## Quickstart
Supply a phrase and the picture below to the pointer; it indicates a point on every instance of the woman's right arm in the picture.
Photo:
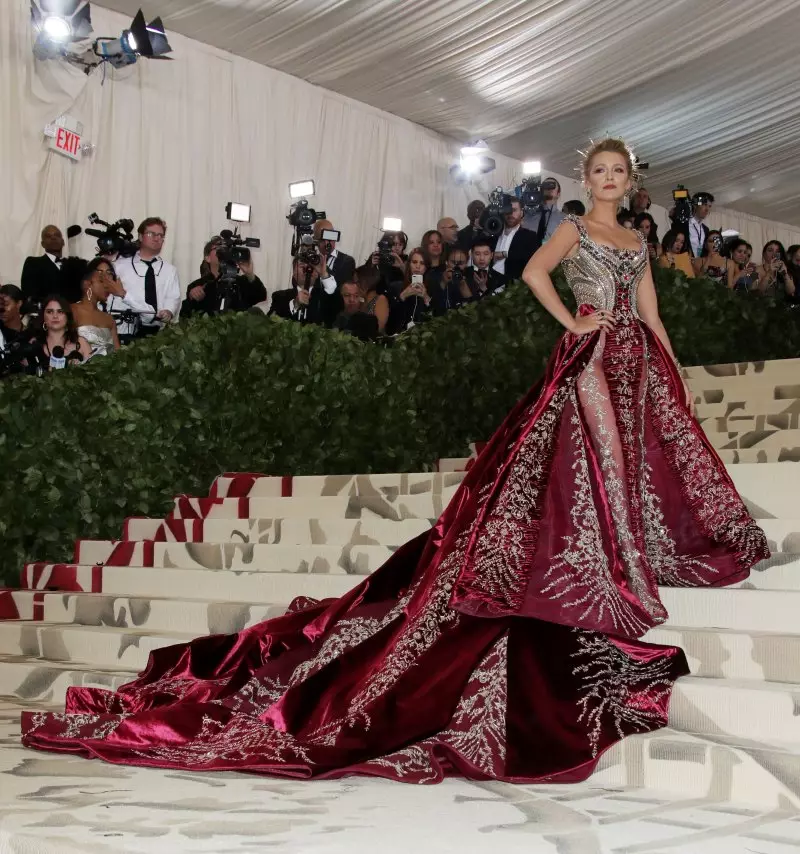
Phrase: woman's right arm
(537, 277)
(733, 272)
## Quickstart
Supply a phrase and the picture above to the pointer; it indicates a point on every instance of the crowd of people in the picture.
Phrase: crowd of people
(68, 311)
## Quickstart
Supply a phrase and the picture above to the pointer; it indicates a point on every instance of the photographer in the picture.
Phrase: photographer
(546, 219)
(150, 285)
(452, 290)
(468, 234)
(338, 264)
(311, 298)
(208, 295)
(389, 258)
(481, 278)
(413, 301)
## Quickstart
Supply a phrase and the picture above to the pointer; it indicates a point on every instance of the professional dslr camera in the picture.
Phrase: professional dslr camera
(117, 237)
(302, 218)
(492, 221)
(386, 250)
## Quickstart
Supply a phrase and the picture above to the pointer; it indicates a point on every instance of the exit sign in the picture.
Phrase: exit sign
(64, 136)
(67, 142)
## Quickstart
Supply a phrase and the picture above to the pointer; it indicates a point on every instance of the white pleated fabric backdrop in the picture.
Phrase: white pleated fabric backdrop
(180, 139)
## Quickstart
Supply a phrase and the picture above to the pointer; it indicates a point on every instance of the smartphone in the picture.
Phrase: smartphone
(331, 234)
(417, 279)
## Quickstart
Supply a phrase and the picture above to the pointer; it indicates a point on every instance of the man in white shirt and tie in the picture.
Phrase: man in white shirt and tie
(151, 286)
(41, 275)
(698, 230)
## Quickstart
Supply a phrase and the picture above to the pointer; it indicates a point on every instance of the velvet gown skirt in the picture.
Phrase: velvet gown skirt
(503, 644)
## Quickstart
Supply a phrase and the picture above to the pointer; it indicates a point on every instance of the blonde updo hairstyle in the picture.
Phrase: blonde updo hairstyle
(617, 146)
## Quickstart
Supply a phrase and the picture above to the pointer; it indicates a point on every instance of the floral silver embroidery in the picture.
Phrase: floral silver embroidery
(618, 689)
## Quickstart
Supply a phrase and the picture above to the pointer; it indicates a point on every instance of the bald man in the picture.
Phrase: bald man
(339, 265)
(448, 228)
(41, 274)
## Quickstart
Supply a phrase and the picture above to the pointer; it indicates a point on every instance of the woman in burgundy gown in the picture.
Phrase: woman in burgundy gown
(504, 643)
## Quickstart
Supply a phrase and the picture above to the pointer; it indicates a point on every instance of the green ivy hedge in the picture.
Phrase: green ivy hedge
(121, 436)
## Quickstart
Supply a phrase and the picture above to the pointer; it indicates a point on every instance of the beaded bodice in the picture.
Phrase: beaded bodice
(602, 276)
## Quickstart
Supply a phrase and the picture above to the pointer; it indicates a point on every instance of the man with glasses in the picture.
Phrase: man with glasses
(151, 288)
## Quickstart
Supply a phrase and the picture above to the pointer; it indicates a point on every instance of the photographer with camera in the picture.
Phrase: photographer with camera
(150, 285)
(212, 293)
(481, 278)
(452, 289)
(516, 245)
(41, 274)
(547, 217)
(468, 234)
(389, 257)
(339, 265)
(311, 298)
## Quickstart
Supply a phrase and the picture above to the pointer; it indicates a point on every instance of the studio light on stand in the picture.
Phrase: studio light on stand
(473, 162)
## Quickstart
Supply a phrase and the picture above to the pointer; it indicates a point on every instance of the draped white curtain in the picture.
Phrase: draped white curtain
(180, 139)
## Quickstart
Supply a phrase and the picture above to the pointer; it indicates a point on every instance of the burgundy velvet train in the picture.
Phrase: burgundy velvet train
(504, 643)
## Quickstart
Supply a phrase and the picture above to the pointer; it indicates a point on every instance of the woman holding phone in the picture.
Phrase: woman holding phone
(412, 303)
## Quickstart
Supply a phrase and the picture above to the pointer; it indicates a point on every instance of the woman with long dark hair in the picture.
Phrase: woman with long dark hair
(58, 335)
(742, 274)
(774, 276)
(645, 223)
(412, 302)
(675, 252)
(435, 252)
(712, 264)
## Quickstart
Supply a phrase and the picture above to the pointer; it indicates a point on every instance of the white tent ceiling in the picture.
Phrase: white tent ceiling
(707, 91)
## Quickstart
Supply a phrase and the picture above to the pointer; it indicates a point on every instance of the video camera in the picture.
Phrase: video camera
(234, 250)
(682, 211)
(302, 218)
(492, 221)
(117, 238)
(19, 357)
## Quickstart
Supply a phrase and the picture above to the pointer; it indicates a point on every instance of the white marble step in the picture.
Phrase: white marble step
(735, 608)
(194, 617)
(98, 646)
(741, 708)
(347, 558)
(301, 531)
(34, 680)
(734, 654)
(714, 768)
(423, 506)
(712, 652)
(212, 584)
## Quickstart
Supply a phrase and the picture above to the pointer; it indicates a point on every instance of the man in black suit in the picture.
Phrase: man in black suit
(481, 277)
(41, 274)
(310, 298)
(515, 245)
(467, 234)
(207, 295)
(340, 265)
